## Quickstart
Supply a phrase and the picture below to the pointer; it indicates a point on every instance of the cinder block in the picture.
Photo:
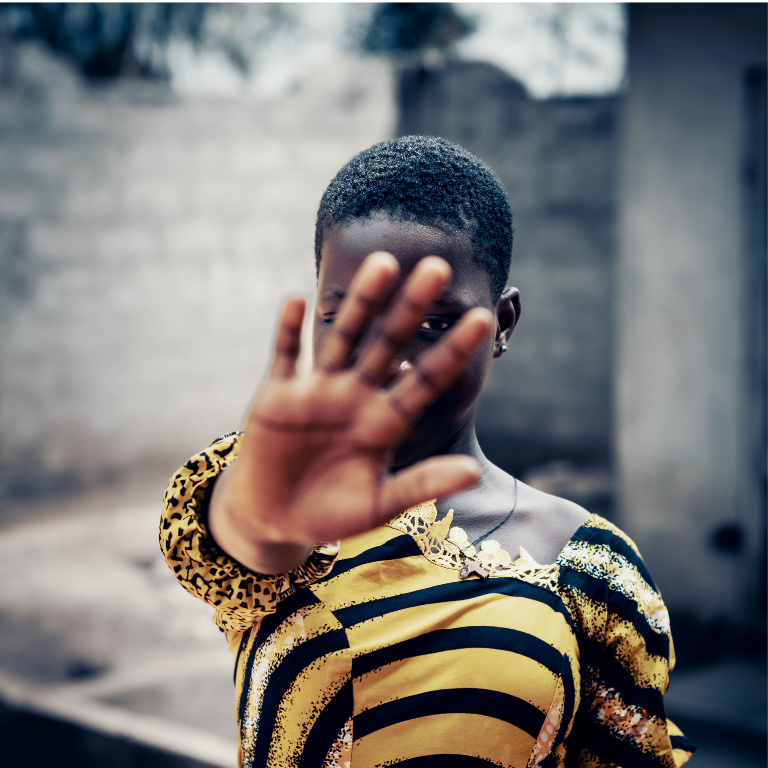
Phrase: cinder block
(19, 201)
(62, 243)
(155, 196)
(91, 198)
(128, 243)
(187, 240)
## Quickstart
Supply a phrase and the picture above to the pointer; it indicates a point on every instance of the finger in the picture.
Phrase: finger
(368, 289)
(288, 342)
(426, 282)
(429, 479)
(440, 367)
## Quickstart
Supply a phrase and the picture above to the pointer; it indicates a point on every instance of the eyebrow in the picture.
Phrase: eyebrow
(334, 293)
(447, 298)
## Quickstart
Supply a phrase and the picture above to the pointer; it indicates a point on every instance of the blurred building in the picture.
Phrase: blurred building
(690, 341)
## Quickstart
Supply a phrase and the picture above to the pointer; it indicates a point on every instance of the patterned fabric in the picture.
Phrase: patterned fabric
(240, 596)
(376, 653)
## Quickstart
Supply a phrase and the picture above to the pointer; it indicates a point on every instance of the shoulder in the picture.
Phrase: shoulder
(546, 523)
(601, 565)
(600, 545)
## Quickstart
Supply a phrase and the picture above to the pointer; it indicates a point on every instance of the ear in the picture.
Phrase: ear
(507, 316)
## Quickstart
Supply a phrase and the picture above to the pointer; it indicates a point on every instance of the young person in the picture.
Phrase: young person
(390, 596)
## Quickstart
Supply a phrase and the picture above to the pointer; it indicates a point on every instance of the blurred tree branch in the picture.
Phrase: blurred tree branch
(414, 30)
(111, 40)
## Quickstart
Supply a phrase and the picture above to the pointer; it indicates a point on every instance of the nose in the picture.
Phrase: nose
(397, 368)
(401, 363)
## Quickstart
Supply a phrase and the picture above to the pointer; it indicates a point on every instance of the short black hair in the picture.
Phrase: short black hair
(431, 181)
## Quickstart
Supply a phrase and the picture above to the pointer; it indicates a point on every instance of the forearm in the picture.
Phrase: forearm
(232, 531)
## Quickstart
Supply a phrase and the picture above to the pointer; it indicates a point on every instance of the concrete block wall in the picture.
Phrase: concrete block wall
(146, 243)
(550, 396)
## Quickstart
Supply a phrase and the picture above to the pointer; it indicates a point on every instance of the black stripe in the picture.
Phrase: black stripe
(569, 696)
(617, 545)
(285, 608)
(594, 654)
(445, 593)
(438, 640)
(326, 728)
(400, 546)
(281, 679)
(620, 605)
(614, 675)
(301, 598)
(240, 647)
(680, 742)
(474, 701)
(612, 672)
(445, 761)
(612, 749)
(247, 681)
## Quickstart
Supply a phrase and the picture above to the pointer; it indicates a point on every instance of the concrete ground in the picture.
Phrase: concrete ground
(94, 626)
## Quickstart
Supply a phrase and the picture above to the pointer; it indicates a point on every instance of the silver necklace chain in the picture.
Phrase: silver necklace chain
(497, 526)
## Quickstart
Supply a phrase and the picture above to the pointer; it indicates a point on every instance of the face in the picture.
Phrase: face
(344, 248)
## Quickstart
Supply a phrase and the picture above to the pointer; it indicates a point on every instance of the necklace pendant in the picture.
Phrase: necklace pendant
(470, 568)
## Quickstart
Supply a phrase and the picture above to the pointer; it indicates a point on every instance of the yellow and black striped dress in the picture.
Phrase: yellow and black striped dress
(375, 653)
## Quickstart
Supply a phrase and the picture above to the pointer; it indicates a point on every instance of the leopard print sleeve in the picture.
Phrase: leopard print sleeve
(240, 596)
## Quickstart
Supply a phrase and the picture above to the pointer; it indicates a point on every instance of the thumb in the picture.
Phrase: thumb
(429, 479)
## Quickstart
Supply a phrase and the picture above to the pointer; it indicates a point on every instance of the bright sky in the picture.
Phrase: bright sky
(554, 49)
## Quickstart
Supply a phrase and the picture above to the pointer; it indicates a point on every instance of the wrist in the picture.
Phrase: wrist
(251, 544)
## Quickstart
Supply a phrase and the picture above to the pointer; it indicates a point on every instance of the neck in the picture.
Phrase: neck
(465, 442)
(491, 495)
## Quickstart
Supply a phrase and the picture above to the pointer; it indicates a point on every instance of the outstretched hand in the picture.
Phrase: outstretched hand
(313, 460)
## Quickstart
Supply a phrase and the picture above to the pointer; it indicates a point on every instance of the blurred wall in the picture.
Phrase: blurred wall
(146, 243)
(690, 351)
(550, 396)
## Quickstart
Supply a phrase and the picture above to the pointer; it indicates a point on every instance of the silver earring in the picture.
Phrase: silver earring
(503, 349)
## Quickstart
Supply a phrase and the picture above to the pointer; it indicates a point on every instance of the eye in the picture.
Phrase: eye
(329, 317)
(436, 324)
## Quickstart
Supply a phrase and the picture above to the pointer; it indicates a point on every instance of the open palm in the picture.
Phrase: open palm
(313, 460)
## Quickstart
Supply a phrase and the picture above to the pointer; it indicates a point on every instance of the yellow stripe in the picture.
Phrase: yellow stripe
(681, 757)
(599, 560)
(234, 639)
(629, 648)
(627, 645)
(493, 610)
(485, 668)
(672, 729)
(356, 545)
(382, 578)
(460, 734)
(595, 521)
